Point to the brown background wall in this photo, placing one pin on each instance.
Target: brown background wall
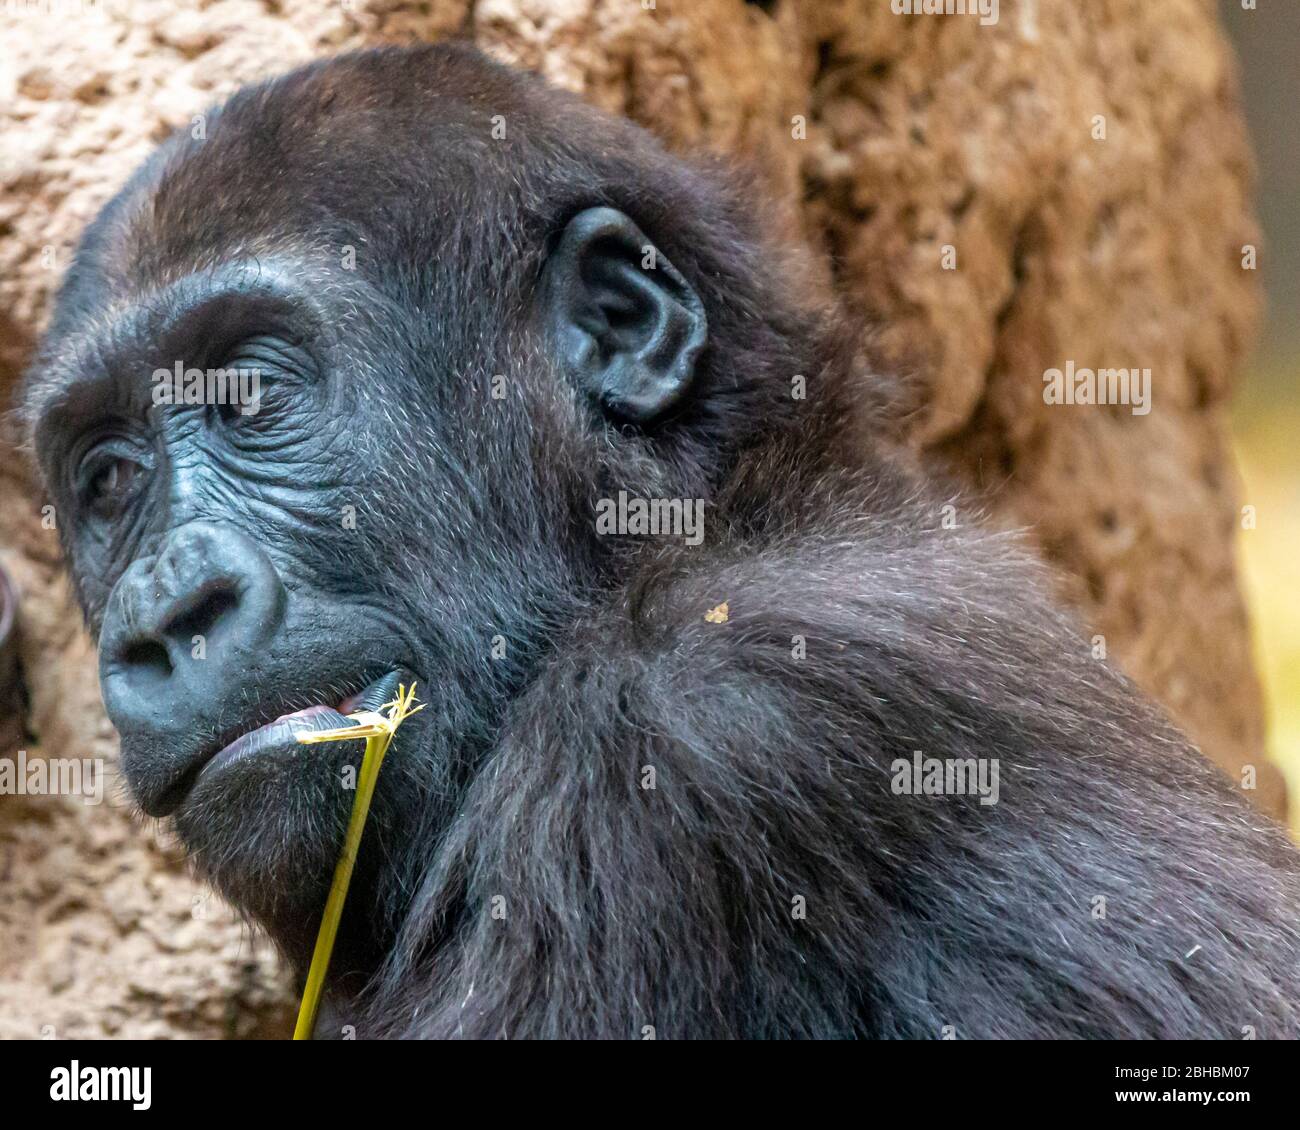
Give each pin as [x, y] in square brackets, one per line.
[921, 132]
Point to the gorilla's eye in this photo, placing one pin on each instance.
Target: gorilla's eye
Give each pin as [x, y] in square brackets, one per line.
[106, 480]
[254, 369]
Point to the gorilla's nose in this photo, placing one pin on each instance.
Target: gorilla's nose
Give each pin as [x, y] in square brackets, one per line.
[183, 630]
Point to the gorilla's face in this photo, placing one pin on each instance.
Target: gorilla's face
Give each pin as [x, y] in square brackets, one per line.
[262, 550]
[224, 477]
[284, 485]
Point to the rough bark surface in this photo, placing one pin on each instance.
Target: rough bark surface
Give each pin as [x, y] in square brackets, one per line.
[891, 137]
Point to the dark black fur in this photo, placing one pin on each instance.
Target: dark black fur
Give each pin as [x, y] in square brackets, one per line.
[628, 907]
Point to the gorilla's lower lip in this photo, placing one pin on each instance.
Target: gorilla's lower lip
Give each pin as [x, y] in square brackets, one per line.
[274, 735]
[281, 734]
[278, 736]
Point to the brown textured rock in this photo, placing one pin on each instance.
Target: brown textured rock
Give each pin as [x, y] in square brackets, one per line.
[891, 139]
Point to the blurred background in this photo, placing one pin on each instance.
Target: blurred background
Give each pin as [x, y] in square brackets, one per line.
[1266, 411]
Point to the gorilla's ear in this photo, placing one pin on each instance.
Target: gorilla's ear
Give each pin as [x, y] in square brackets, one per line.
[627, 325]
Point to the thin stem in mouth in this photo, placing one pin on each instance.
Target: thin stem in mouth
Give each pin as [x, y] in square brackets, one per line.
[378, 729]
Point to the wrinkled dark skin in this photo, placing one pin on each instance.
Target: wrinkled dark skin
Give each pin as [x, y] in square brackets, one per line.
[499, 356]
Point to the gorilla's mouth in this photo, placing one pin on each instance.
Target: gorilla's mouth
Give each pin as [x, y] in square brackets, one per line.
[276, 738]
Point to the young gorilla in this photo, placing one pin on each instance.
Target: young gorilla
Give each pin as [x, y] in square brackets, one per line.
[477, 308]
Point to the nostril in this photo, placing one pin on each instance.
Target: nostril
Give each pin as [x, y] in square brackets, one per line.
[147, 657]
[201, 617]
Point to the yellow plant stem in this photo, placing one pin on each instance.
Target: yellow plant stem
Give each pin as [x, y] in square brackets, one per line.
[378, 730]
[376, 747]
